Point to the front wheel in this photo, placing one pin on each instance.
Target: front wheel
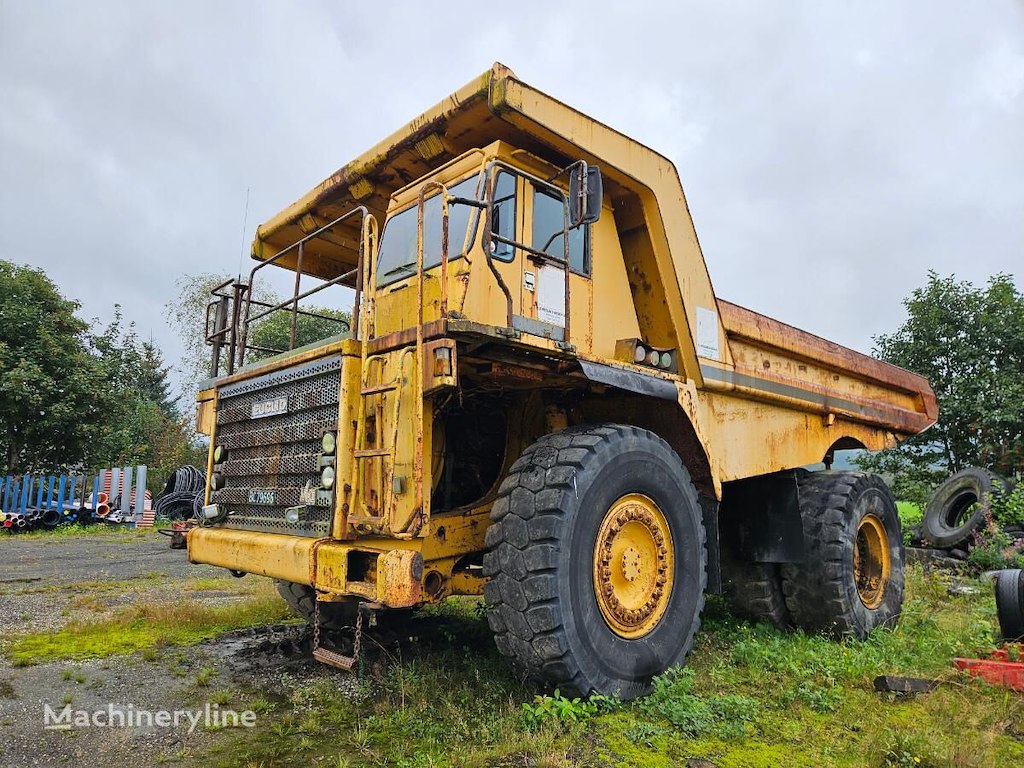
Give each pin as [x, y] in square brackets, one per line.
[597, 560]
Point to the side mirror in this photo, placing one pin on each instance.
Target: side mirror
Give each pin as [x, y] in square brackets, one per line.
[586, 193]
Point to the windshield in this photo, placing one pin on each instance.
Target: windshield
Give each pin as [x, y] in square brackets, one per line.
[397, 256]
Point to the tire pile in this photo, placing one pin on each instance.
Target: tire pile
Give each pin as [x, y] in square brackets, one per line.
[182, 496]
[957, 512]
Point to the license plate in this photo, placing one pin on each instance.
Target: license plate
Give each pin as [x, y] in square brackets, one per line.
[257, 496]
[270, 407]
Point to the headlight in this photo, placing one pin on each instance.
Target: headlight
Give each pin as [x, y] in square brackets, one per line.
[216, 481]
[328, 443]
[327, 477]
[219, 454]
[666, 359]
[639, 353]
[292, 514]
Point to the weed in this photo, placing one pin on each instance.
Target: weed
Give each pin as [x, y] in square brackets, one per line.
[645, 733]
[222, 696]
[150, 654]
[205, 675]
[7, 689]
[558, 710]
[904, 751]
[68, 698]
[724, 716]
[261, 705]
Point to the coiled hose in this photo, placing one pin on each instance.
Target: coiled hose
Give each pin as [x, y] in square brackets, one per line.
[182, 495]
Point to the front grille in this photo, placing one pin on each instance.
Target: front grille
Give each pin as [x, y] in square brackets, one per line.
[277, 456]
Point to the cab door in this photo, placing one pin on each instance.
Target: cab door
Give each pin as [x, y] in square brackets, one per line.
[549, 290]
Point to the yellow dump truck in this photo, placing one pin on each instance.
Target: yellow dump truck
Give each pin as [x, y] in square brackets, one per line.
[536, 396]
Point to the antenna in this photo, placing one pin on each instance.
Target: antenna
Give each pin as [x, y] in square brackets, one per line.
[245, 223]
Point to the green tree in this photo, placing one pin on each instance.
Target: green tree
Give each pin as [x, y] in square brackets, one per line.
[154, 384]
[187, 314]
[969, 343]
[52, 392]
[274, 331]
[142, 425]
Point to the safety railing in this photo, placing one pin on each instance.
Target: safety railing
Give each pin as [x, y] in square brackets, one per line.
[230, 315]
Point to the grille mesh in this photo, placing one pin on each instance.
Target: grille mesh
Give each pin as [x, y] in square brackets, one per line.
[278, 456]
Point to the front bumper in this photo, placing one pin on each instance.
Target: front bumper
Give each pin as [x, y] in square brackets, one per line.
[388, 571]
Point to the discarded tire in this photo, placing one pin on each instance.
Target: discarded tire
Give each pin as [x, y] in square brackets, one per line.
[1010, 603]
[954, 512]
[851, 580]
[597, 560]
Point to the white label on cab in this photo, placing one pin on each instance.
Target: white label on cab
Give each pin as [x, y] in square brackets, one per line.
[551, 295]
[707, 334]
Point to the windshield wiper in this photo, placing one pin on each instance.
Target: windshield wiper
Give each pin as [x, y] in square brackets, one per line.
[400, 268]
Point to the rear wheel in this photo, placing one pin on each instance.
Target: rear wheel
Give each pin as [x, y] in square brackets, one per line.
[754, 589]
[597, 560]
[851, 580]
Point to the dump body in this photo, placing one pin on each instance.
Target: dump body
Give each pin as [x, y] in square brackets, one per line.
[466, 349]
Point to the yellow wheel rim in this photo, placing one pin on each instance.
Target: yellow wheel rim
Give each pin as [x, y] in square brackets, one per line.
[633, 566]
[871, 561]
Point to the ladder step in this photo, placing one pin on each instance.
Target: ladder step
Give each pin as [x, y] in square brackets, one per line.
[378, 388]
[368, 453]
[325, 656]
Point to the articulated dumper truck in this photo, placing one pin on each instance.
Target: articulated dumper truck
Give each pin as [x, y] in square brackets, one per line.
[535, 396]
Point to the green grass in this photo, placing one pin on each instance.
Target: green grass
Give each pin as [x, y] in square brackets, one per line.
[146, 625]
[910, 514]
[114, 530]
[751, 696]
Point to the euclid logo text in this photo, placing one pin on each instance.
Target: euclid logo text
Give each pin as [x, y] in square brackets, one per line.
[270, 407]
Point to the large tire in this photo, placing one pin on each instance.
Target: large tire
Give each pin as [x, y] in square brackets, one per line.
[851, 580]
[302, 600]
[754, 589]
[570, 493]
[1010, 604]
[953, 513]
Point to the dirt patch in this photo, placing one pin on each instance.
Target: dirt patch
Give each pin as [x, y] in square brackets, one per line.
[49, 582]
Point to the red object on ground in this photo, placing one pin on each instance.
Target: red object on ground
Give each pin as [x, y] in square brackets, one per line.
[997, 669]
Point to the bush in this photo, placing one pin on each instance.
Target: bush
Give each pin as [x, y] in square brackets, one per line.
[992, 548]
[1008, 508]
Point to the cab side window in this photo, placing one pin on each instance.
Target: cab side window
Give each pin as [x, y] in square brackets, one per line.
[548, 225]
[503, 221]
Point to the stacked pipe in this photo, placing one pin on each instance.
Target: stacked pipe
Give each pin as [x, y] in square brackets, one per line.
[182, 495]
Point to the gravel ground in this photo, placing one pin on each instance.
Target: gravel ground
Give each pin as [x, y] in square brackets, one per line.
[46, 582]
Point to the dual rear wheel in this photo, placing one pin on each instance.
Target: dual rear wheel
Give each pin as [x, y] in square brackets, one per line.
[851, 578]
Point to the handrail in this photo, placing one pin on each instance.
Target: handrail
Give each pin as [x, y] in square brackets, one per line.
[233, 331]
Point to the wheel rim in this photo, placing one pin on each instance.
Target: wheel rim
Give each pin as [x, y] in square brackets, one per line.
[871, 561]
[633, 566]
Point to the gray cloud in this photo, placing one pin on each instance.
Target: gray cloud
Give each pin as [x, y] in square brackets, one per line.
[831, 152]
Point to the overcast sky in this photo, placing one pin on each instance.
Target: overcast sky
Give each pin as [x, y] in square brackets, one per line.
[831, 152]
